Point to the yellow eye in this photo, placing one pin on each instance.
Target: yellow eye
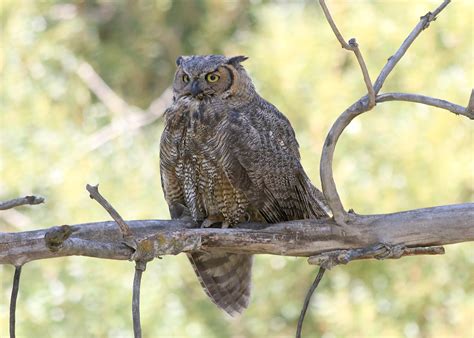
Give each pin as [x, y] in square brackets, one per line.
[185, 78]
[212, 77]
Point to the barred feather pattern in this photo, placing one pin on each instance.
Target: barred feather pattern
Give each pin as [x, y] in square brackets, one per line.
[231, 156]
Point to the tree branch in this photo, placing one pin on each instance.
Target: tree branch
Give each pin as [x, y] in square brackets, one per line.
[352, 45]
[430, 101]
[310, 292]
[31, 200]
[362, 105]
[13, 298]
[424, 23]
[416, 228]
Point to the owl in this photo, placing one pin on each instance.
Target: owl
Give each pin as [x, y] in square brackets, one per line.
[229, 156]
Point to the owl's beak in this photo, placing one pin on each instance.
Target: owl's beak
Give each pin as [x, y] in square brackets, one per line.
[195, 88]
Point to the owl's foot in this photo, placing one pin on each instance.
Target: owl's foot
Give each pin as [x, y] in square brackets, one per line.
[179, 211]
[215, 221]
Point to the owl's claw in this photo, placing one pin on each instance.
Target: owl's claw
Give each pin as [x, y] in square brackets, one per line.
[214, 221]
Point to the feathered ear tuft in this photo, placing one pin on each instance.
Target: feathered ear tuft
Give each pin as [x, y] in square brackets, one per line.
[236, 59]
[179, 60]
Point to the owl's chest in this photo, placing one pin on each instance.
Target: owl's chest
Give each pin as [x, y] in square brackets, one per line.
[207, 188]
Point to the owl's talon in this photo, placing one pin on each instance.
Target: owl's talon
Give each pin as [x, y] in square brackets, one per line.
[209, 222]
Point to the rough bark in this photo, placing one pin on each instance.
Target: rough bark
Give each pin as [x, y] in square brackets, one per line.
[415, 228]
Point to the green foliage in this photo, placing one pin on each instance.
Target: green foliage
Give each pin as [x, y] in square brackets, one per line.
[398, 156]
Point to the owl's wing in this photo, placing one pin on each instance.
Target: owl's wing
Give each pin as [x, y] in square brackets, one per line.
[170, 183]
[260, 155]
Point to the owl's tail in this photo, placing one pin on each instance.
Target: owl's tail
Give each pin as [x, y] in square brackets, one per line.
[226, 278]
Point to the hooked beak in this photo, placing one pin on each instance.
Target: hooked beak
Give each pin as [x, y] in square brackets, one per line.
[196, 91]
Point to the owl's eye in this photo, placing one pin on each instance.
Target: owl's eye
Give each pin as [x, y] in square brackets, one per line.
[185, 78]
[212, 77]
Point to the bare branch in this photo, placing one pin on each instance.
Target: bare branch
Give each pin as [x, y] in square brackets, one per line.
[425, 21]
[13, 298]
[310, 292]
[137, 279]
[104, 93]
[31, 200]
[352, 45]
[470, 105]
[443, 104]
[416, 228]
[128, 123]
[95, 194]
[359, 107]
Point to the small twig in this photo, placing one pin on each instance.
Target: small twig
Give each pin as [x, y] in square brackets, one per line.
[139, 268]
[330, 259]
[310, 292]
[352, 45]
[31, 200]
[470, 105]
[95, 194]
[393, 60]
[430, 101]
[13, 298]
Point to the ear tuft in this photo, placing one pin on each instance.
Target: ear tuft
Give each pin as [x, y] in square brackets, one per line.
[237, 59]
[179, 60]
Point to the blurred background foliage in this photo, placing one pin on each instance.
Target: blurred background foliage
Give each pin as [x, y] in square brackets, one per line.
[399, 156]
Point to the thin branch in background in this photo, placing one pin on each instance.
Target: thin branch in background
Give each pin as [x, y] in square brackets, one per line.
[139, 268]
[13, 298]
[131, 117]
[128, 123]
[30, 200]
[357, 108]
[104, 93]
[310, 292]
[352, 45]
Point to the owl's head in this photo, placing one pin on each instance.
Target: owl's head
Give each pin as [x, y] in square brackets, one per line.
[208, 76]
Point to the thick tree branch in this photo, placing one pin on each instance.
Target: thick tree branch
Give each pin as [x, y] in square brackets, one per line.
[416, 228]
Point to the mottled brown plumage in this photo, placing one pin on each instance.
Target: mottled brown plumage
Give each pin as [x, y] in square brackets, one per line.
[229, 156]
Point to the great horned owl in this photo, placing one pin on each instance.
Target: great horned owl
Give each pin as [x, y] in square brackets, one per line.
[229, 156]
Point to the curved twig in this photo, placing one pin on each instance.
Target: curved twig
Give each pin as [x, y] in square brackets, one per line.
[359, 107]
[310, 292]
[430, 101]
